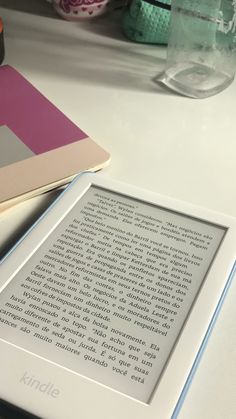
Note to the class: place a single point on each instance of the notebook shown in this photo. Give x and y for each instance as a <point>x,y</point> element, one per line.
<point>40,148</point>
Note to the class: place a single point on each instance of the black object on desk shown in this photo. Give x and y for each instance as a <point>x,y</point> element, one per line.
<point>2,49</point>
<point>9,411</point>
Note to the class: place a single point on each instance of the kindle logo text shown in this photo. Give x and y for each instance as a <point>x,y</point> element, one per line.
<point>47,388</point>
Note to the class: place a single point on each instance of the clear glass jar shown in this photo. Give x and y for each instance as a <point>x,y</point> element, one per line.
<point>201,53</point>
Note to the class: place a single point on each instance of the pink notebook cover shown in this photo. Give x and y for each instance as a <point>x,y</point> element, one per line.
<point>40,147</point>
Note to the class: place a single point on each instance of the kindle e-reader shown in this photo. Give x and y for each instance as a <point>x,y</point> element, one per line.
<point>107,302</point>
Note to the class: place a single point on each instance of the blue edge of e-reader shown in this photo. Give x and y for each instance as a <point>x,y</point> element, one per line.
<point>203,345</point>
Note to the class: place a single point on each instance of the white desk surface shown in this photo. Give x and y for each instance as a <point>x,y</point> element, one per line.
<point>176,146</point>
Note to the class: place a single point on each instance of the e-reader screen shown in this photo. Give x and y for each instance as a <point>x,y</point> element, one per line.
<point>108,291</point>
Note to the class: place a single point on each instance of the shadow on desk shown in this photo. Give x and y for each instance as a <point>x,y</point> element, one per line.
<point>88,58</point>
<point>36,7</point>
<point>24,226</point>
<point>93,51</point>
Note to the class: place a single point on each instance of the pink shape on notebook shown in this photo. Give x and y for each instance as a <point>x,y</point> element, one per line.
<point>32,117</point>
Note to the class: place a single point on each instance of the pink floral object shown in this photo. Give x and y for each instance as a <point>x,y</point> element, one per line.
<point>68,5</point>
<point>80,9</point>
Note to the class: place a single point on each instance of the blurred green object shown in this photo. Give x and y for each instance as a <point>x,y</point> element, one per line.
<point>147,21</point>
